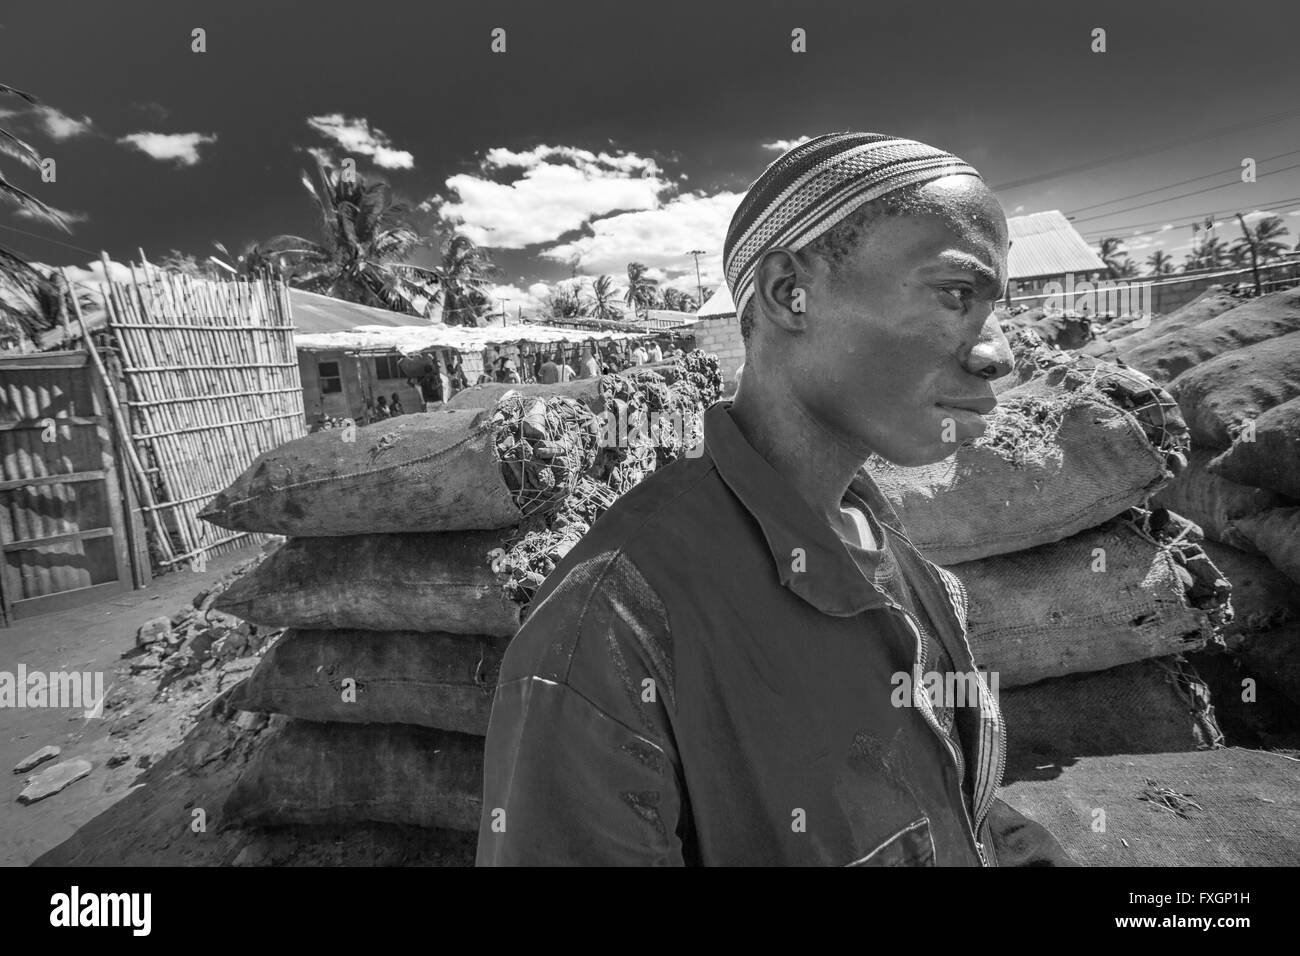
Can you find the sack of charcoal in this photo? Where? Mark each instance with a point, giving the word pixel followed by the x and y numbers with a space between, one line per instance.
pixel 435 471
pixel 1074 444
pixel 1167 356
pixel 1154 706
pixel 380 582
pixel 1224 395
pixel 1267 454
pixel 436 680
pixel 337 773
pixel 1124 592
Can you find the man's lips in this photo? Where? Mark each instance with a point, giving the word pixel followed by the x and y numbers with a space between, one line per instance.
pixel 980 406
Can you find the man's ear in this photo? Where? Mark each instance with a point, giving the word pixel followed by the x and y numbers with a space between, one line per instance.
pixel 781 283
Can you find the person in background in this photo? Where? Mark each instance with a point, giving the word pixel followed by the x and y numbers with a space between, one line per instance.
pixel 508 373
pixel 458 380
pixel 549 372
pixel 381 408
pixel 588 368
pixel 395 407
pixel 655 353
pixel 639 355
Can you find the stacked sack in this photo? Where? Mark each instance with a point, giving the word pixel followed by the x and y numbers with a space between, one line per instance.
pixel 414 546
pixel 1234 368
pixel 1081 598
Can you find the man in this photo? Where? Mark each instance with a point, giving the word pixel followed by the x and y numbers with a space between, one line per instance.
pixel 549 374
pixel 654 353
pixel 729 668
pixel 639 355
pixel 588 368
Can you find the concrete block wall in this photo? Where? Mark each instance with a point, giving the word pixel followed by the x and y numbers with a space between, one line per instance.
pixel 721 336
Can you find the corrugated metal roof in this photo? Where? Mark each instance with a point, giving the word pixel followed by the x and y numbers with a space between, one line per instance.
pixel 1045 244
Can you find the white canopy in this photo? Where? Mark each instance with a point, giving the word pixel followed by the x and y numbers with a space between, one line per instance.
pixel 410 339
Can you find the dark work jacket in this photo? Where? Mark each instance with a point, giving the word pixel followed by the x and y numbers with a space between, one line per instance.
pixel 707 678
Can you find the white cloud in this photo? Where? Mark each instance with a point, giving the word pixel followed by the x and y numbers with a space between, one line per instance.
pixel 559 190
pixel 61 126
pixel 529 299
pixel 1166 227
pixel 658 237
pixel 1018 209
pixel 785 145
pixel 183 148
pixel 355 135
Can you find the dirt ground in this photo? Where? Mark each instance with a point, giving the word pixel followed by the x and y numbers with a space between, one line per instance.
pixel 163 760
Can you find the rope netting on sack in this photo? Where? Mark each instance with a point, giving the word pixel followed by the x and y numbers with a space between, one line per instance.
pixel 534 553
pixel 544 446
pixel 627 452
pixel 648 422
pixel 1129 390
pixel 1206 587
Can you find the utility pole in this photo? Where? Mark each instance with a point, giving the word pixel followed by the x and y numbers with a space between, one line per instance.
pixel 504 320
pixel 1254 259
pixel 699 286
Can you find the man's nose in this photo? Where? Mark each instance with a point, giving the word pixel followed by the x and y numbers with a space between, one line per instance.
pixel 991 357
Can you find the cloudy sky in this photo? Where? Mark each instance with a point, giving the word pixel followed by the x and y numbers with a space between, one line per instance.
pixel 606 133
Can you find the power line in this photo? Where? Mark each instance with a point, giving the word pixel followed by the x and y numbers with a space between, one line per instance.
pixel 1134 154
pixel 1270 205
pixel 57 242
pixel 1195 192
pixel 1182 182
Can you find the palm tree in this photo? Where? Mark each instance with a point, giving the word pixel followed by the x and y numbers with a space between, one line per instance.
pixel 1128 269
pixel 15 148
pixel 33 301
pixel 601 304
pixel 464 274
pixel 1214 253
pixel 1161 263
pixel 1112 252
pixel 256 260
pixel 363 236
pixel 1264 238
pixel 641 291
pixel 564 303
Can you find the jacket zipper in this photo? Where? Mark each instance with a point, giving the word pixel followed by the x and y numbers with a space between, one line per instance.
pixel 1002 751
pixel 919 701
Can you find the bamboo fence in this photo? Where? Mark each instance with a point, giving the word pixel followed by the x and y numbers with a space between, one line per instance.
pixel 212 380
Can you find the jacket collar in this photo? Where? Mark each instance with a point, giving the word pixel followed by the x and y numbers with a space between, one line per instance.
pixel 809 557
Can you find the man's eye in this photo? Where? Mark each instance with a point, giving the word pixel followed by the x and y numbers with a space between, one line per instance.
pixel 961 293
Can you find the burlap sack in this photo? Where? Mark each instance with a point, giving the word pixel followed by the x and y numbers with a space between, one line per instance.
pixel 316 773
pixel 1263 598
pixel 1046 468
pixel 1172 353
pixel 379 582
pixel 1249 809
pixel 1276 534
pixel 1046 612
pixel 1220 395
pixel 1272 459
pixel 434 471
pixel 441 681
pixel 1212 502
pixel 1157 706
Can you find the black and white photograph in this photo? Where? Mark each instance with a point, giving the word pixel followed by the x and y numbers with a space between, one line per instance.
pixel 752 433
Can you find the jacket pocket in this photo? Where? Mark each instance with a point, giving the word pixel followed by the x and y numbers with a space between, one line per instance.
pixel 910 846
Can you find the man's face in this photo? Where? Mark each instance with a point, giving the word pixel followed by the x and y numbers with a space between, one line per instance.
pixel 900 339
